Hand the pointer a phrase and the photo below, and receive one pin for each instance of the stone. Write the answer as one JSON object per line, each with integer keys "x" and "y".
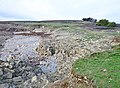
{"x": 8, "y": 75}
{"x": 28, "y": 68}
{"x": 17, "y": 79}
{"x": 18, "y": 72}
{"x": 8, "y": 70}
{"x": 34, "y": 79}
{"x": 30, "y": 75}
{"x": 26, "y": 84}
{"x": 1, "y": 71}
{"x": 5, "y": 85}
{"x": 11, "y": 57}
{"x": 20, "y": 64}
{"x": 7, "y": 81}
{"x": 10, "y": 66}
{"x": 52, "y": 50}
{"x": 6, "y": 64}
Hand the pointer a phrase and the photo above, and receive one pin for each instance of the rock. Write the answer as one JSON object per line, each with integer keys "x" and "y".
{"x": 7, "y": 81}
{"x": 52, "y": 50}
{"x": 8, "y": 70}
{"x": 17, "y": 79}
{"x": 8, "y": 75}
{"x": 12, "y": 62}
{"x": 6, "y": 64}
{"x": 34, "y": 79}
{"x": 30, "y": 75}
{"x": 18, "y": 72}
{"x": 38, "y": 71}
{"x": 1, "y": 71}
{"x": 11, "y": 57}
{"x": 26, "y": 84}
{"x": 28, "y": 68}
{"x": 20, "y": 64}
{"x": 5, "y": 85}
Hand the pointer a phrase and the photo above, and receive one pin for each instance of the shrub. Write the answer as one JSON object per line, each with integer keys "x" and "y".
{"x": 111, "y": 24}
{"x": 103, "y": 22}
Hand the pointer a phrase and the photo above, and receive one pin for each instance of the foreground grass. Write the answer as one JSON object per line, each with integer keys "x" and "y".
{"x": 103, "y": 68}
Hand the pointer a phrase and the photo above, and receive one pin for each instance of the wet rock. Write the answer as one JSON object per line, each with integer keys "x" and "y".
{"x": 1, "y": 71}
{"x": 5, "y": 85}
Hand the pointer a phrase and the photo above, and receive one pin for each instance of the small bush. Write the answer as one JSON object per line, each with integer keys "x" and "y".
{"x": 111, "y": 24}
{"x": 105, "y": 22}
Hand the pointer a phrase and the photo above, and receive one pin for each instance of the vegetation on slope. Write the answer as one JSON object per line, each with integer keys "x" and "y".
{"x": 103, "y": 68}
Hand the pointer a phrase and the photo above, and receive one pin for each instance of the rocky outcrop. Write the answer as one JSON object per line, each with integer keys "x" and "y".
{"x": 67, "y": 48}
{"x": 16, "y": 73}
{"x": 53, "y": 68}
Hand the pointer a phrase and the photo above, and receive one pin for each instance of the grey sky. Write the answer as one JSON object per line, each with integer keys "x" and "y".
{"x": 59, "y": 9}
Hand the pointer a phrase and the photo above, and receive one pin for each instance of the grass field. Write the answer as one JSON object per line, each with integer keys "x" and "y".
{"x": 103, "y": 68}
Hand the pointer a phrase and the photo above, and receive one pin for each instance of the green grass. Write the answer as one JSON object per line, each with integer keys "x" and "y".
{"x": 103, "y": 67}
{"x": 54, "y": 25}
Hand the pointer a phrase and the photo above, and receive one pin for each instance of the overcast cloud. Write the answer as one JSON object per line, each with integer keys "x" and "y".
{"x": 59, "y": 9}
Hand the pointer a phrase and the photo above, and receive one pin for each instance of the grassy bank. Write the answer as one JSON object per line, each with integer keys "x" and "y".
{"x": 103, "y": 68}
